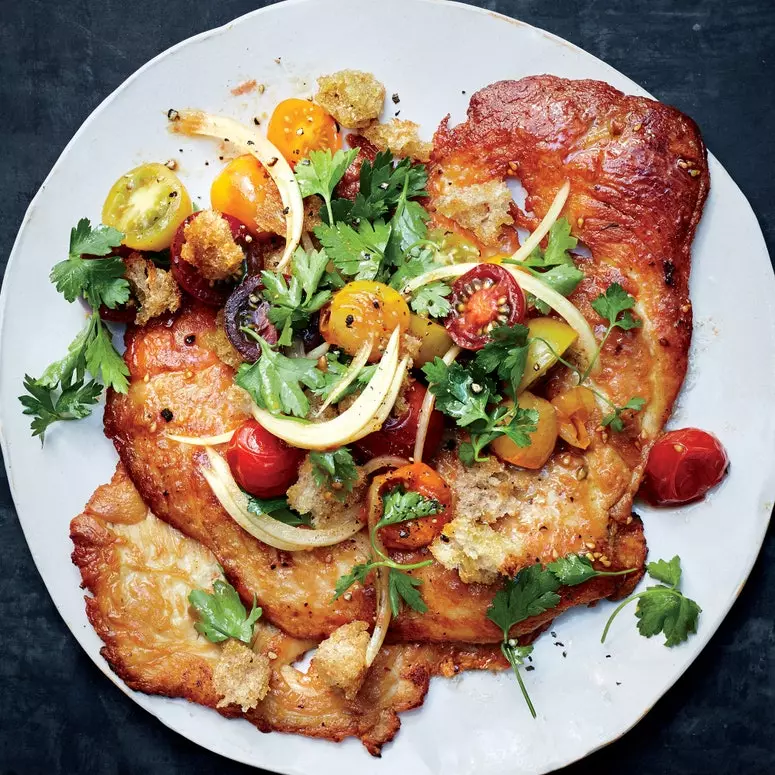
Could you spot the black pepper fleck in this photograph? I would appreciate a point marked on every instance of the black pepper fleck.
(668, 267)
(396, 99)
(166, 415)
(529, 668)
(190, 339)
(349, 320)
(564, 653)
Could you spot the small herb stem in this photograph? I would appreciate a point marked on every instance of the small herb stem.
(616, 611)
(506, 651)
(329, 211)
(615, 572)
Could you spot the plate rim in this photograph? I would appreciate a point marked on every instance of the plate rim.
(145, 701)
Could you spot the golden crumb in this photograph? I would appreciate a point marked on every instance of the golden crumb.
(401, 137)
(210, 247)
(352, 97)
(312, 205)
(155, 290)
(341, 659)
(217, 341)
(482, 208)
(241, 676)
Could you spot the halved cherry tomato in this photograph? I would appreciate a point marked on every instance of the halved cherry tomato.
(542, 440)
(398, 434)
(574, 409)
(148, 204)
(682, 466)
(486, 297)
(187, 276)
(300, 126)
(241, 190)
(453, 247)
(549, 339)
(364, 310)
(262, 464)
(435, 340)
(416, 533)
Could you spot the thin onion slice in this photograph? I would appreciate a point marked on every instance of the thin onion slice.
(202, 441)
(247, 140)
(532, 242)
(319, 351)
(354, 423)
(381, 581)
(386, 407)
(427, 409)
(358, 362)
(261, 526)
(383, 461)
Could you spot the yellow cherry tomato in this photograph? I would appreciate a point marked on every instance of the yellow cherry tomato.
(147, 204)
(575, 407)
(549, 338)
(361, 311)
(453, 247)
(542, 440)
(300, 126)
(245, 190)
(434, 337)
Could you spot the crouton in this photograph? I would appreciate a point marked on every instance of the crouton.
(241, 676)
(482, 208)
(210, 247)
(341, 659)
(217, 341)
(154, 289)
(352, 97)
(308, 497)
(401, 137)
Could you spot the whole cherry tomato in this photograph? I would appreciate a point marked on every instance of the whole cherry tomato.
(486, 297)
(300, 126)
(262, 464)
(416, 533)
(398, 434)
(683, 466)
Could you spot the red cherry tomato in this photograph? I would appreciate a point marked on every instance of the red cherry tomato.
(262, 464)
(398, 434)
(486, 297)
(208, 292)
(683, 466)
(416, 533)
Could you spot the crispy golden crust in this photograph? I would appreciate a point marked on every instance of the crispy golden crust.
(139, 576)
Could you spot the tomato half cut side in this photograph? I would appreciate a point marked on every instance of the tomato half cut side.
(300, 126)
(682, 466)
(482, 299)
(262, 464)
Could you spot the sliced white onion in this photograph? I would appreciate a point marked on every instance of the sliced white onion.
(388, 403)
(381, 579)
(427, 409)
(261, 526)
(202, 441)
(383, 461)
(354, 423)
(358, 362)
(532, 242)
(247, 140)
(319, 351)
(306, 242)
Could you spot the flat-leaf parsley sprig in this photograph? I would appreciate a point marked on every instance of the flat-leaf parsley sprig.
(222, 615)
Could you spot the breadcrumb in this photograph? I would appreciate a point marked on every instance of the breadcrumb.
(312, 205)
(483, 208)
(217, 341)
(210, 247)
(241, 676)
(341, 659)
(401, 137)
(352, 97)
(154, 289)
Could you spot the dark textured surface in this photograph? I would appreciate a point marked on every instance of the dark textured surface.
(58, 60)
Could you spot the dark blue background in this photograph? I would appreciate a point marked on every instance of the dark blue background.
(712, 59)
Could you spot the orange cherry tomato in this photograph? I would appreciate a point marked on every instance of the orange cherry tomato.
(241, 190)
(574, 408)
(300, 126)
(542, 440)
(683, 465)
(416, 533)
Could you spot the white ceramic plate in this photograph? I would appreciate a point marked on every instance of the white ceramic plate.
(434, 55)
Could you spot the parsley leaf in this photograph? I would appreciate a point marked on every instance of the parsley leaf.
(103, 359)
(356, 253)
(321, 171)
(614, 306)
(278, 509)
(662, 608)
(558, 244)
(505, 354)
(458, 394)
(403, 587)
(74, 402)
(614, 419)
(335, 471)
(98, 241)
(222, 615)
(530, 593)
(357, 574)
(400, 505)
(334, 372)
(274, 381)
(431, 300)
(574, 569)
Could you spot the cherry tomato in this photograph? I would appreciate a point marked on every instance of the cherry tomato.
(574, 409)
(247, 308)
(262, 464)
(542, 440)
(300, 126)
(244, 190)
(213, 293)
(398, 434)
(435, 340)
(147, 204)
(486, 297)
(364, 310)
(416, 533)
(682, 466)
